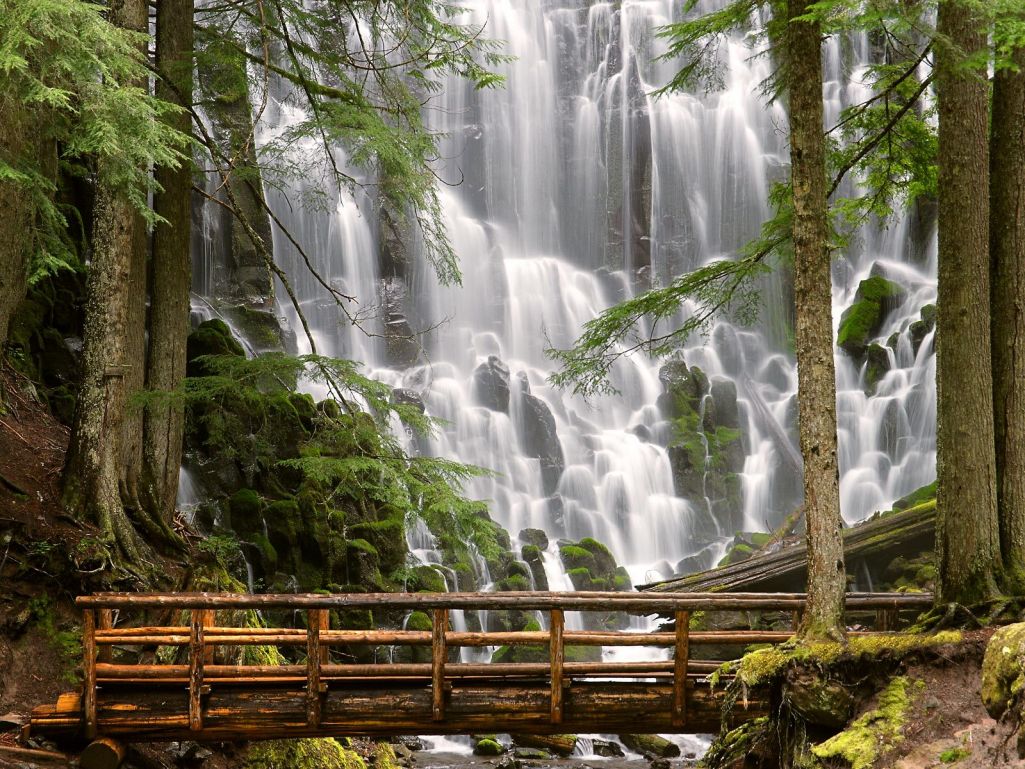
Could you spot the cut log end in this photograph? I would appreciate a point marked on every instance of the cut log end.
(103, 753)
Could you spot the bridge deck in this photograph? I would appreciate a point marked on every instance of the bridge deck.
(204, 689)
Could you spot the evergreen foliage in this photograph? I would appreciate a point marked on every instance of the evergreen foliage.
(350, 456)
(64, 61)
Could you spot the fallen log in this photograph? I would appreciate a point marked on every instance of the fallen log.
(873, 543)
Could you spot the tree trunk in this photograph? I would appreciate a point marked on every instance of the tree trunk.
(95, 468)
(968, 548)
(172, 272)
(1007, 260)
(15, 214)
(92, 471)
(827, 578)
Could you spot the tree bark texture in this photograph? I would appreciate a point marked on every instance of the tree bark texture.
(968, 548)
(1007, 260)
(172, 272)
(95, 468)
(827, 578)
(15, 213)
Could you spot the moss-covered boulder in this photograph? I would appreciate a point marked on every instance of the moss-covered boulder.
(534, 559)
(488, 746)
(388, 537)
(326, 753)
(876, 296)
(922, 327)
(212, 337)
(1003, 669)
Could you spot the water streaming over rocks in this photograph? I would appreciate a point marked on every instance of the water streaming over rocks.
(566, 190)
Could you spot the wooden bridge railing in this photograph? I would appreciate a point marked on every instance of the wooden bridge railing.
(199, 675)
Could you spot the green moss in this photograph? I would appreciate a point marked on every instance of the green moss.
(918, 496)
(419, 620)
(576, 557)
(245, 506)
(324, 753)
(488, 747)
(874, 733)
(1003, 669)
(362, 546)
(862, 319)
(513, 584)
(384, 756)
(212, 337)
(388, 538)
(763, 665)
(953, 755)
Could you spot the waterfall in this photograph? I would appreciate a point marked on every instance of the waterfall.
(568, 189)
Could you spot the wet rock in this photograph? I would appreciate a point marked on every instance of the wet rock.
(261, 328)
(413, 743)
(531, 754)
(534, 537)
(491, 384)
(878, 364)
(401, 345)
(607, 749)
(540, 440)
(875, 298)
(650, 745)
(642, 432)
(683, 388)
(921, 328)
(535, 561)
(725, 412)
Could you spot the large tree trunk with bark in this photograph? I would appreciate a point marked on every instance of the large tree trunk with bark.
(968, 547)
(95, 468)
(172, 272)
(827, 578)
(15, 213)
(92, 472)
(1007, 259)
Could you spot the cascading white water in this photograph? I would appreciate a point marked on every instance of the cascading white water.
(571, 187)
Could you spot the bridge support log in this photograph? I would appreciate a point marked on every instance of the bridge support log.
(104, 753)
(681, 658)
(557, 657)
(438, 658)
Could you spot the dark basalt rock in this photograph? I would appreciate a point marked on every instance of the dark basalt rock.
(534, 537)
(540, 440)
(491, 384)
(875, 298)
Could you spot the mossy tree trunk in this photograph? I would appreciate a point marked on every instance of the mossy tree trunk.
(824, 614)
(95, 464)
(1007, 260)
(172, 272)
(968, 547)
(15, 212)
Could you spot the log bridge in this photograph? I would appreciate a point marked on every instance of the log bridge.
(144, 682)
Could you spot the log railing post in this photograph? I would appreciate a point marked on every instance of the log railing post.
(439, 654)
(556, 657)
(313, 662)
(89, 671)
(209, 620)
(196, 658)
(681, 659)
(105, 621)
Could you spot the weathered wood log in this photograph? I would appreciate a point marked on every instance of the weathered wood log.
(104, 753)
(557, 654)
(196, 666)
(880, 539)
(231, 712)
(638, 603)
(32, 754)
(89, 672)
(559, 744)
(681, 657)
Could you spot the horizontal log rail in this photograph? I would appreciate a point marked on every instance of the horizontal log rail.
(204, 697)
